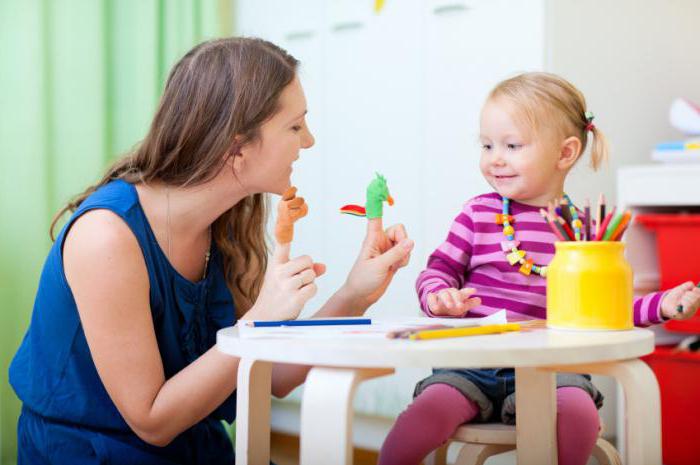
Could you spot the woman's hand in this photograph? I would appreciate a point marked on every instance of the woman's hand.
(452, 302)
(382, 254)
(288, 285)
(686, 295)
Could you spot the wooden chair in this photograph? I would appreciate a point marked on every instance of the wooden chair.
(482, 440)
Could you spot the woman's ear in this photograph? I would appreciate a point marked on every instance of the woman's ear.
(569, 152)
(234, 158)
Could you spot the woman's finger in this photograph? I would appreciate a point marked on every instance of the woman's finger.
(296, 265)
(281, 253)
(396, 233)
(319, 269)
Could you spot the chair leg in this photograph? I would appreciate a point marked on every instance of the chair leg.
(476, 454)
(438, 456)
(605, 453)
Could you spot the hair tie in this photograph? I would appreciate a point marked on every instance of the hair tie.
(589, 121)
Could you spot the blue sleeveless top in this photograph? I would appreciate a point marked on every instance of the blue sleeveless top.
(67, 415)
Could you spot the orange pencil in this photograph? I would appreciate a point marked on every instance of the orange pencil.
(617, 234)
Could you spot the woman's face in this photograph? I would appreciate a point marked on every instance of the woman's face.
(267, 162)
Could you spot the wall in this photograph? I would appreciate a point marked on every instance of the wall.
(79, 80)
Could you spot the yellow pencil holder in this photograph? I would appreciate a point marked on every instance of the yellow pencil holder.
(589, 287)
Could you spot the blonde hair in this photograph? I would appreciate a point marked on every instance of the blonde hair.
(550, 101)
(219, 90)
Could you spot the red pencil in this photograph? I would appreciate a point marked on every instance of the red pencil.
(605, 224)
(567, 228)
(550, 223)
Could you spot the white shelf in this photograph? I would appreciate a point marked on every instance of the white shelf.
(659, 185)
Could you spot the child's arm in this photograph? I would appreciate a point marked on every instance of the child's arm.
(681, 302)
(658, 307)
(449, 263)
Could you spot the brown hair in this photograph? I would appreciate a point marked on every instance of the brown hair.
(546, 97)
(220, 89)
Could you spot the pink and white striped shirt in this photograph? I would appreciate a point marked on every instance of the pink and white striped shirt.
(471, 256)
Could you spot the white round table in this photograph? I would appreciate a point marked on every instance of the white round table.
(537, 354)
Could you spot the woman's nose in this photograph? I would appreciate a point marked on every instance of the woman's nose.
(307, 140)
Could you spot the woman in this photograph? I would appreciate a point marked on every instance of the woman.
(119, 364)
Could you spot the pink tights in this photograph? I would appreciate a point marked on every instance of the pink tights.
(440, 409)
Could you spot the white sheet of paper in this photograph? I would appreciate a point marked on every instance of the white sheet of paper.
(379, 328)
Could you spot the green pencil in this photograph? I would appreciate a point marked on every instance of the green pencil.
(613, 226)
(679, 309)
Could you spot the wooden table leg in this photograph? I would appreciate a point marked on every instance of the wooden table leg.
(326, 413)
(642, 405)
(536, 416)
(253, 412)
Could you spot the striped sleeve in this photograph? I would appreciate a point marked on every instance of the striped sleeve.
(448, 264)
(647, 309)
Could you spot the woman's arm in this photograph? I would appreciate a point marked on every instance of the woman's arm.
(381, 255)
(107, 274)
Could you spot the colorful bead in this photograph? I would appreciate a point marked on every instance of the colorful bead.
(527, 267)
(509, 245)
(514, 257)
(502, 218)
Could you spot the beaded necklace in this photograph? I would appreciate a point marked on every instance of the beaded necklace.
(516, 256)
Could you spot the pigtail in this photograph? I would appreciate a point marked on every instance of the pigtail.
(599, 148)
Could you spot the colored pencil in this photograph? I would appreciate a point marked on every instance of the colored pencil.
(617, 233)
(587, 224)
(313, 322)
(465, 331)
(600, 215)
(567, 228)
(604, 226)
(565, 210)
(612, 226)
(557, 232)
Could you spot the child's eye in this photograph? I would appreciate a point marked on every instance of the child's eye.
(514, 146)
(486, 146)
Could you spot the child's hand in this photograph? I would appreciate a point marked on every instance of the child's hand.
(686, 295)
(452, 302)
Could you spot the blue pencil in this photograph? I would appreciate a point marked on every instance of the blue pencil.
(312, 322)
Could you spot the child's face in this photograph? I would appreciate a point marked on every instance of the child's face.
(517, 163)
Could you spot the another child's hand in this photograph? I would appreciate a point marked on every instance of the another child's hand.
(686, 295)
(452, 302)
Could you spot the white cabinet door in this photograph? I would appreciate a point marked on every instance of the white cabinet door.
(470, 46)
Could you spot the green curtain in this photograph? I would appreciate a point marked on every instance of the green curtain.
(79, 81)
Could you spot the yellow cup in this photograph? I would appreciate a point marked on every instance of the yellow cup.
(589, 287)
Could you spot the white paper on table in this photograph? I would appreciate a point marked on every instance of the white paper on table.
(379, 328)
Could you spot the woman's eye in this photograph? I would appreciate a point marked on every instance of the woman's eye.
(296, 128)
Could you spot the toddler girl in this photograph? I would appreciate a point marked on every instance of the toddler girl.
(534, 127)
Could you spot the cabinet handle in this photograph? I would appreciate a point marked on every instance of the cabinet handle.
(299, 35)
(347, 26)
(447, 9)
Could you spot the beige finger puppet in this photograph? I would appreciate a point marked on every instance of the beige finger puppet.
(289, 210)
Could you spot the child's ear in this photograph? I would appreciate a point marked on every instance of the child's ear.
(569, 152)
